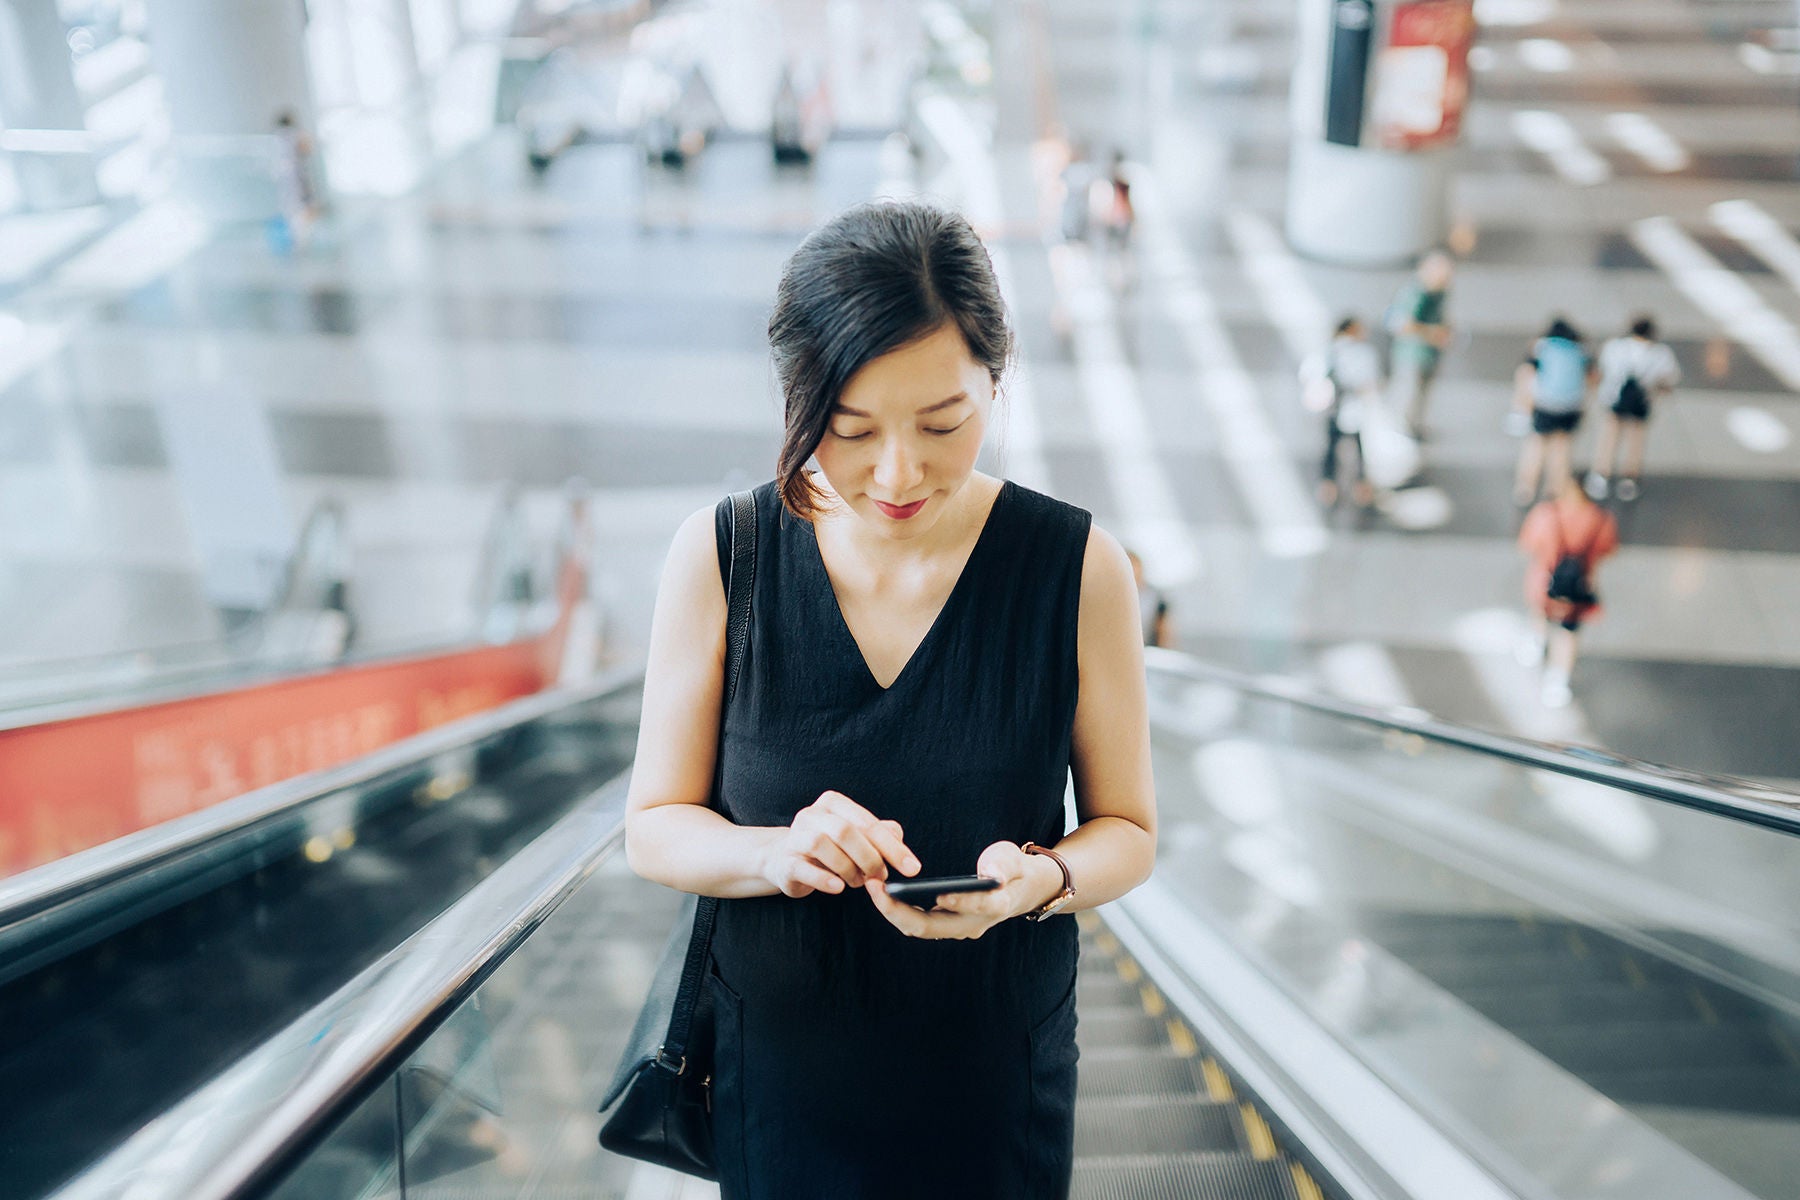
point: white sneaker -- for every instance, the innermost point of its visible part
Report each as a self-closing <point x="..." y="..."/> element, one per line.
<point x="1595" y="485"/>
<point x="1556" y="692"/>
<point x="1628" y="490"/>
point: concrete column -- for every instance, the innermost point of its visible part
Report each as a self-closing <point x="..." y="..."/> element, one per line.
<point x="1377" y="100"/>
<point x="41" y="107"/>
<point x="229" y="68"/>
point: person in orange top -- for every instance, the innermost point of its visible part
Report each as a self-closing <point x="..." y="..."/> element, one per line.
<point x="1564" y="539"/>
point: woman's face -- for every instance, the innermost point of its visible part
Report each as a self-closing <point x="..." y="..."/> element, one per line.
<point x="905" y="433"/>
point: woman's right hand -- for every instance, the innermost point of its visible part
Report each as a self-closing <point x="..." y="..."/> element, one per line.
<point x="835" y="843"/>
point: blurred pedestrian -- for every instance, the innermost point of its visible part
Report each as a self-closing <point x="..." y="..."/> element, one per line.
<point x="1121" y="216"/>
<point x="1636" y="371"/>
<point x="1153" y="607"/>
<point x="1564" y="539"/>
<point x="1077" y="179"/>
<point x="1416" y="319"/>
<point x="1552" y="384"/>
<point x="295" y="191"/>
<point x="1345" y="386"/>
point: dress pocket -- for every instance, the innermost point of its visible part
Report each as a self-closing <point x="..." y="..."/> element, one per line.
<point x="728" y="1087"/>
<point x="1051" y="1134"/>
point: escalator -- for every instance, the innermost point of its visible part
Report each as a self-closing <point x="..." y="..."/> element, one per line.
<point x="1383" y="958"/>
<point x="97" y="748"/>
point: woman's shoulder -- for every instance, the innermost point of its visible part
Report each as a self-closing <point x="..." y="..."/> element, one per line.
<point x="1049" y="512"/>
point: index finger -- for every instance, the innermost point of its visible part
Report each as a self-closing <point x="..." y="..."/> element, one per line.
<point x="886" y="837"/>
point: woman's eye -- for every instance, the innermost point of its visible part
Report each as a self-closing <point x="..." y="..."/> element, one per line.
<point x="943" y="432"/>
<point x="850" y="437"/>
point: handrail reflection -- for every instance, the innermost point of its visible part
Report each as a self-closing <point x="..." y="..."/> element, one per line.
<point x="240" y="1132"/>
<point x="1739" y="799"/>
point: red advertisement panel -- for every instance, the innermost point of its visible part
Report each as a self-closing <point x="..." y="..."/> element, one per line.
<point x="1422" y="76"/>
<point x="69" y="785"/>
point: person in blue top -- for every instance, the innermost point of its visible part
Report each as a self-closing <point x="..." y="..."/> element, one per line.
<point x="1552" y="385"/>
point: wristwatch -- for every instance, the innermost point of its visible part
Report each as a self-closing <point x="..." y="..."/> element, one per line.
<point x="1059" y="901"/>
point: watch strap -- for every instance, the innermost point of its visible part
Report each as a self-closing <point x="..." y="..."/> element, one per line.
<point x="1061" y="898"/>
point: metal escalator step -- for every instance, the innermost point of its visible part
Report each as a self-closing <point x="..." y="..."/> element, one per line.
<point x="1138" y="1075"/>
<point x="1093" y="988"/>
<point x="1181" y="1177"/>
<point x="1109" y="1027"/>
<point x="1155" y="1125"/>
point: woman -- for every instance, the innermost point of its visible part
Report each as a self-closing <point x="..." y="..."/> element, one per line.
<point x="931" y="651"/>
<point x="1637" y="372"/>
<point x="1348" y="386"/>
<point x="1564" y="539"/>
<point x="1552" y="384"/>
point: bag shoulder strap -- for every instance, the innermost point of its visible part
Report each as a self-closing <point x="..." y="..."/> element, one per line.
<point x="739" y="586"/>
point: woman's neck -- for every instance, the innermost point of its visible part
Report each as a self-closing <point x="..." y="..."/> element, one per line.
<point x="949" y="535"/>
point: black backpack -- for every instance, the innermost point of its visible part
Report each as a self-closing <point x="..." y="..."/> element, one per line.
<point x="1633" y="399"/>
<point x="1569" y="577"/>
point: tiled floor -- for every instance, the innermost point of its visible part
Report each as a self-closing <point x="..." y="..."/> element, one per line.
<point x="607" y="322"/>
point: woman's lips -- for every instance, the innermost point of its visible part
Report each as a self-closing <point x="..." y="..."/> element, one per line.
<point x="897" y="512"/>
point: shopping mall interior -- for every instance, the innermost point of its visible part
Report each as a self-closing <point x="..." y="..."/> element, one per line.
<point x="360" y="359"/>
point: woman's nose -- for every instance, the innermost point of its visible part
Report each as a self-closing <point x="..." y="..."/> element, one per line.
<point x="898" y="469"/>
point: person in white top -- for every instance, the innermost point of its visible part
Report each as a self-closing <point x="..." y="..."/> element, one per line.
<point x="1635" y="371"/>
<point x="1343" y="384"/>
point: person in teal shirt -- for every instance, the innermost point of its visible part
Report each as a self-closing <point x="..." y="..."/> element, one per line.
<point x="1416" y="319"/>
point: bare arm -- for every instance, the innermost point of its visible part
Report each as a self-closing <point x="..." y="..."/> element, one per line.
<point x="1114" y="847"/>
<point x="671" y="835"/>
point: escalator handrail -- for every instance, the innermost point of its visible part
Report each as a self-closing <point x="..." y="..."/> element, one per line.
<point x="239" y="1133"/>
<point x="168" y="685"/>
<point x="41" y="888"/>
<point x="1739" y="799"/>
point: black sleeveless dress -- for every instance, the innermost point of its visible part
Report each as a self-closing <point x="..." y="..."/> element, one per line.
<point x="853" y="1062"/>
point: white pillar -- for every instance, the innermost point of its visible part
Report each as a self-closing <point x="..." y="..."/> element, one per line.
<point x="41" y="107"/>
<point x="229" y="69"/>
<point x="1377" y="100"/>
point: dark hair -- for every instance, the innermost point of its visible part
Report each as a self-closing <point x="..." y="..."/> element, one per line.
<point x="1560" y="328"/>
<point x="1346" y="325"/>
<point x="1645" y="327"/>
<point x="872" y="280"/>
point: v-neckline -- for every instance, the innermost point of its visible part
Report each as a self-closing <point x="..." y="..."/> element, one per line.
<point x="937" y="621"/>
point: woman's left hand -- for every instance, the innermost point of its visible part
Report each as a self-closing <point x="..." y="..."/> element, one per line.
<point x="1027" y="882"/>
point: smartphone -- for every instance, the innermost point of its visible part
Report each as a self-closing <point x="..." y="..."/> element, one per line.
<point x="923" y="893"/>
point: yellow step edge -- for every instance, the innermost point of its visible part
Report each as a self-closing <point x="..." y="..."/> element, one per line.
<point x="1128" y="970"/>
<point x="1303" y="1183"/>
<point x="1154" y="1006"/>
<point x="1218" y="1084"/>
<point x="1182" y="1039"/>
<point x="1703" y="1006"/>
<point x="1262" y="1142"/>
<point x="1635" y="973"/>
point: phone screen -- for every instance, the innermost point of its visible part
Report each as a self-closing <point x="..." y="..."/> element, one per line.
<point x="923" y="893"/>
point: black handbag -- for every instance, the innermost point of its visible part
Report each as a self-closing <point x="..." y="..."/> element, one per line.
<point x="663" y="1087"/>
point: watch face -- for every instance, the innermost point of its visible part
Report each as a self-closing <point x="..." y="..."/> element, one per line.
<point x="1054" y="906"/>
